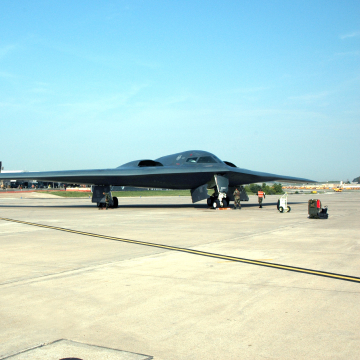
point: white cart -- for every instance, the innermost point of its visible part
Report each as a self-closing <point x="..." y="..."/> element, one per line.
<point x="282" y="204"/>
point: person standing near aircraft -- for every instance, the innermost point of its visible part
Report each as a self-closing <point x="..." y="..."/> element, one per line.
<point x="107" y="199"/>
<point x="237" y="199"/>
<point x="261" y="196"/>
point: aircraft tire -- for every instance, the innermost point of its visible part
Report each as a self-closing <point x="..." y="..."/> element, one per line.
<point x="288" y="209"/>
<point x="115" y="202"/>
<point x="209" y="201"/>
<point x="281" y="209"/>
<point x="225" y="203"/>
<point x="216" y="204"/>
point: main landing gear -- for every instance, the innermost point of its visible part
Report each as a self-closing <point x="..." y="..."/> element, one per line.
<point x="114" y="204"/>
<point x="99" y="197"/>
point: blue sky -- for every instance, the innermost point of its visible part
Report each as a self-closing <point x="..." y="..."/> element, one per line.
<point x="268" y="85"/>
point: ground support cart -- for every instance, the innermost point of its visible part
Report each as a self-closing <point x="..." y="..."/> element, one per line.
<point x="282" y="204"/>
<point x="315" y="210"/>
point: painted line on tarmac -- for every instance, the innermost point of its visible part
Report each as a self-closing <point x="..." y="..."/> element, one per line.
<point x="198" y="252"/>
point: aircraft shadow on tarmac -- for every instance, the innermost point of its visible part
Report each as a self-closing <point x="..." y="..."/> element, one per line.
<point x="144" y="206"/>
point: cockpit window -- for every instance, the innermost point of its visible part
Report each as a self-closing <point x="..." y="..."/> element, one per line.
<point x="191" y="160"/>
<point x="206" y="160"/>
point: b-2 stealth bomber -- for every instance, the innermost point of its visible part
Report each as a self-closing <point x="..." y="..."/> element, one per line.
<point x="196" y="170"/>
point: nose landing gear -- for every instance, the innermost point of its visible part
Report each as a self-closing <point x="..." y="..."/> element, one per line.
<point x="218" y="201"/>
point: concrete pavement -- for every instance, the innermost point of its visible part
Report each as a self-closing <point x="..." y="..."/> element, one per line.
<point x="172" y="305"/>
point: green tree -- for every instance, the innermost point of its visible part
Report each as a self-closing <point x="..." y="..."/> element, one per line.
<point x="269" y="190"/>
<point x="278" y="188"/>
<point x="254" y="188"/>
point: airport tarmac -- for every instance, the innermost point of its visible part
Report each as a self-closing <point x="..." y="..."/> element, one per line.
<point x="73" y="294"/>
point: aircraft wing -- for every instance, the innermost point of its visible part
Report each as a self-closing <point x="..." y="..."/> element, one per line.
<point x="243" y="176"/>
<point x="90" y="177"/>
<point x="170" y="177"/>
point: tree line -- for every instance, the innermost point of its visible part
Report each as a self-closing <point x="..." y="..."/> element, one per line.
<point x="269" y="190"/>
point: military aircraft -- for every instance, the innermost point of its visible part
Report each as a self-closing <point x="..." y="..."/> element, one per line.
<point x="196" y="170"/>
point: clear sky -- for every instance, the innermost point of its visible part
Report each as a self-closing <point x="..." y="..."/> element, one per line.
<point x="269" y="85"/>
